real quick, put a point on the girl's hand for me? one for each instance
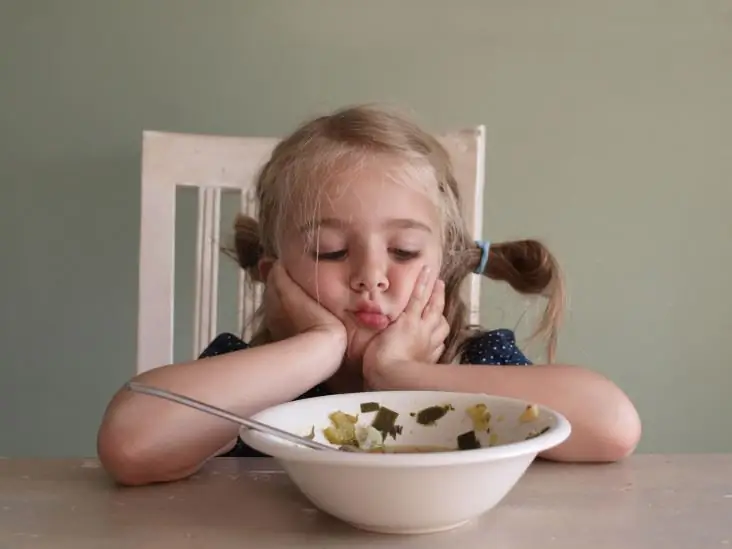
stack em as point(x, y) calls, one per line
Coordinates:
point(291, 311)
point(417, 335)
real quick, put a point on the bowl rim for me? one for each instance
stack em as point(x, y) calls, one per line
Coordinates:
point(286, 451)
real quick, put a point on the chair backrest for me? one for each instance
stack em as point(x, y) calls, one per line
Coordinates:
point(216, 164)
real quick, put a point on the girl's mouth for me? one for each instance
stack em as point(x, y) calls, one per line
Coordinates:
point(373, 320)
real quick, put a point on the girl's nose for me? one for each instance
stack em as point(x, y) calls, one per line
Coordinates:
point(369, 275)
point(368, 285)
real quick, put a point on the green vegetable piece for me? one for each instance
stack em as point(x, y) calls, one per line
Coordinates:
point(396, 430)
point(385, 420)
point(468, 441)
point(430, 415)
point(367, 407)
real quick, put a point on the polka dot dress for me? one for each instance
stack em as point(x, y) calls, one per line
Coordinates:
point(495, 347)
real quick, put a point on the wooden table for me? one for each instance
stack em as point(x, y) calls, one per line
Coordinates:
point(648, 501)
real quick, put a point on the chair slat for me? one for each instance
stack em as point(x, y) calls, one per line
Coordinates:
point(207, 267)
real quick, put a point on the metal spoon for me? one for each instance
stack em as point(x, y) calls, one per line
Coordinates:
point(213, 410)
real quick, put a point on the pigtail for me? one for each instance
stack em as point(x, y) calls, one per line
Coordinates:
point(247, 249)
point(530, 269)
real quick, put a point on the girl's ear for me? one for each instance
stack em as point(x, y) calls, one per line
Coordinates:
point(264, 266)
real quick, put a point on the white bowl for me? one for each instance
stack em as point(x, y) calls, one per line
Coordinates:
point(409, 493)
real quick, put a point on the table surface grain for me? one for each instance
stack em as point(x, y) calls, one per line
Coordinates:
point(646, 501)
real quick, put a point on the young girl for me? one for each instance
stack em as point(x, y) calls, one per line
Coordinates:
point(362, 249)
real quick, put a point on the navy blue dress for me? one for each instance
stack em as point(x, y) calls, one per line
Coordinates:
point(495, 347)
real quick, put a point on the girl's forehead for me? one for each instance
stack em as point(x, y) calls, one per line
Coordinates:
point(369, 190)
point(366, 197)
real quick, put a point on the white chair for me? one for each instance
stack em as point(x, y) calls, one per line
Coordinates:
point(216, 164)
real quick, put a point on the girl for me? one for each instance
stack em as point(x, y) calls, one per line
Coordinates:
point(362, 249)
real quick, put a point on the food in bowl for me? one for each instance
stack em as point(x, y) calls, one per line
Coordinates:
point(346, 432)
point(435, 482)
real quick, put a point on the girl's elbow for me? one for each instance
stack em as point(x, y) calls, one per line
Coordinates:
point(126, 456)
point(134, 460)
point(626, 434)
point(125, 466)
point(130, 468)
point(615, 431)
point(607, 437)
point(618, 438)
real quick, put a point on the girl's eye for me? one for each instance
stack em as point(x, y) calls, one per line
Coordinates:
point(399, 255)
point(404, 255)
point(331, 256)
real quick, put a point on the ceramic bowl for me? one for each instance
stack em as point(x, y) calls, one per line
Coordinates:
point(427, 484)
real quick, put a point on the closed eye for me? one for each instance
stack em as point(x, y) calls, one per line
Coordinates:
point(404, 255)
point(397, 253)
point(331, 256)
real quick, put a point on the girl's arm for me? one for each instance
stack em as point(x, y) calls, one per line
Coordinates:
point(605, 424)
point(143, 439)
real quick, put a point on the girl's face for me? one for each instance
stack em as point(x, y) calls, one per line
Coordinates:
point(360, 255)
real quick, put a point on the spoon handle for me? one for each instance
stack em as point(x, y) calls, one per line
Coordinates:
point(213, 410)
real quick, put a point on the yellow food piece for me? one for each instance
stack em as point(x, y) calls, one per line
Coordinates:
point(535, 433)
point(342, 429)
point(530, 414)
point(493, 440)
point(480, 416)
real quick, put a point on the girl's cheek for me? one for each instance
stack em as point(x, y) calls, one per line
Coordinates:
point(405, 279)
point(303, 269)
point(402, 283)
point(320, 282)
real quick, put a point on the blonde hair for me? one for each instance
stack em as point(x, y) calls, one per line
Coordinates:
point(293, 177)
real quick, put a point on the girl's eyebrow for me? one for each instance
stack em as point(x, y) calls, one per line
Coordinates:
point(335, 223)
point(408, 224)
point(331, 222)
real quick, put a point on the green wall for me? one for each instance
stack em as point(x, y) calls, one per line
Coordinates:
point(610, 135)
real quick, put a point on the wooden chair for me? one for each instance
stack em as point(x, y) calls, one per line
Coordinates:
point(216, 164)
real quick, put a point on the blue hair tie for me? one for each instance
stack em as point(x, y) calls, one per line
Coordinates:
point(485, 247)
